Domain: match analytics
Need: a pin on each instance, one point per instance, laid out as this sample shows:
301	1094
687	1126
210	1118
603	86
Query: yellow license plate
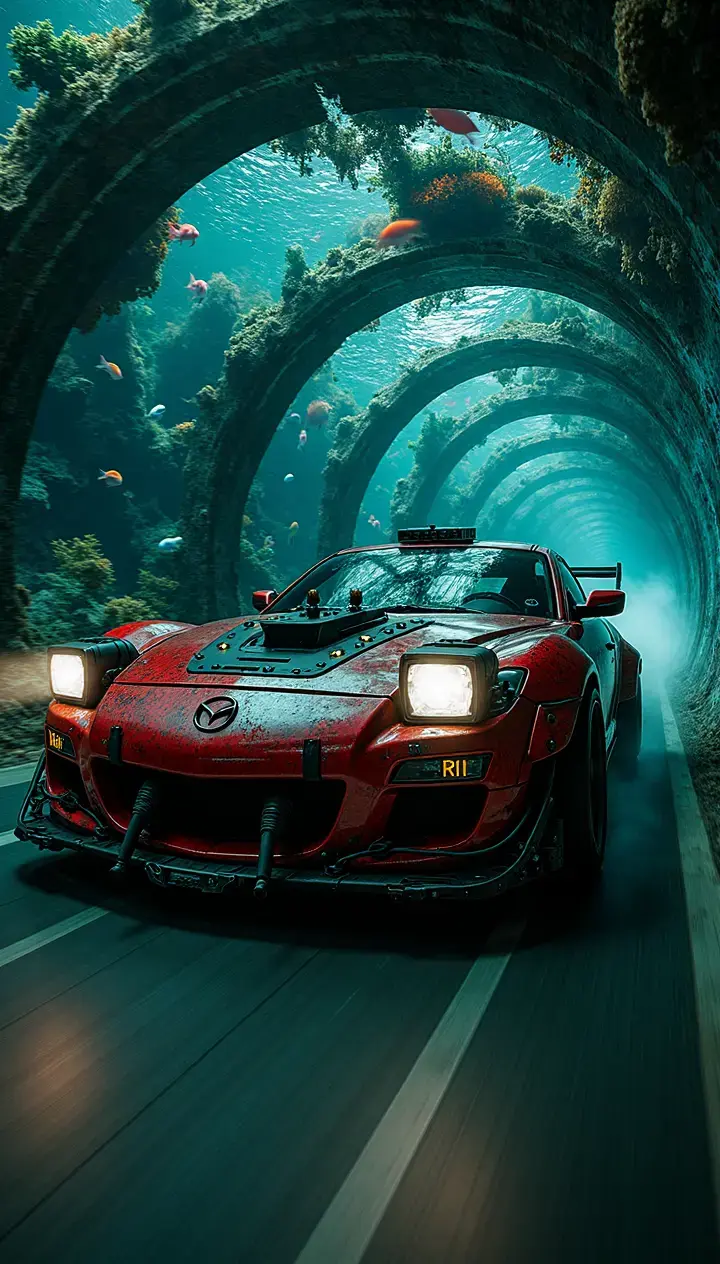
60	743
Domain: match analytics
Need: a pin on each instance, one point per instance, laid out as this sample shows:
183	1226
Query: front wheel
582	794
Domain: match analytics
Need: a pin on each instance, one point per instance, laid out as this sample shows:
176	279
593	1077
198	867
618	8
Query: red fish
111	478
457	122
197	287
399	232
183	232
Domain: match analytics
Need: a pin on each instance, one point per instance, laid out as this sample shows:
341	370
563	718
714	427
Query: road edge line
702	899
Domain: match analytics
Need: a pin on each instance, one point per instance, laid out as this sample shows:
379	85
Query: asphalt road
191	1078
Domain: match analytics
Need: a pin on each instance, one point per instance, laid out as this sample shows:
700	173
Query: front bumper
533	847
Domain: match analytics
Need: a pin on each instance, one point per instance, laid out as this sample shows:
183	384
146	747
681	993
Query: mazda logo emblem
215	714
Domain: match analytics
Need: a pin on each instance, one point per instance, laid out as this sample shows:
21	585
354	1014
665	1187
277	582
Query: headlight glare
81	671
450	683
440	689
67	676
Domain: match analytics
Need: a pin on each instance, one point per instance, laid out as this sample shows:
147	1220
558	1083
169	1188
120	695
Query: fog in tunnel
594	522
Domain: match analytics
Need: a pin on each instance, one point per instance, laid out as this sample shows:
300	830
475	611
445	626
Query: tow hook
272	821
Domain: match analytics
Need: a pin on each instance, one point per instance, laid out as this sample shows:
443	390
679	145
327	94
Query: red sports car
429	718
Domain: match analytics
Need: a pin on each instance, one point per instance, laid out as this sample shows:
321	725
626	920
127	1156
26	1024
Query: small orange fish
108	367
184	426
111	478
292	531
399	232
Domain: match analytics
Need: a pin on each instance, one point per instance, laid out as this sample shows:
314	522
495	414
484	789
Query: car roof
431	544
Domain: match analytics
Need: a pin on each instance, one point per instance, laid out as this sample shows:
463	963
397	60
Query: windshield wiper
428	609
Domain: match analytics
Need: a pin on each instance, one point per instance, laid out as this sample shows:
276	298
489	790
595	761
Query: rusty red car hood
374	672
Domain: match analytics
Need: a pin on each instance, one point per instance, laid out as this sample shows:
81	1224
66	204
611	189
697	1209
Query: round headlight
440	689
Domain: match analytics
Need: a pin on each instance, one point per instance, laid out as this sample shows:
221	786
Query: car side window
571	586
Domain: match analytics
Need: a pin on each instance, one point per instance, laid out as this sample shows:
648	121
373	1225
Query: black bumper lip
533	848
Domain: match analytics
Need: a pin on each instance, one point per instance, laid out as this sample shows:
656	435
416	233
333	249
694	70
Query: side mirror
262	598
601	603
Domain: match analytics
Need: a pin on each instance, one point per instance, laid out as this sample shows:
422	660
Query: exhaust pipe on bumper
145	802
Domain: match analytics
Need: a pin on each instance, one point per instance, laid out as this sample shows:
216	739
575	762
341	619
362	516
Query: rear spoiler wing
599	572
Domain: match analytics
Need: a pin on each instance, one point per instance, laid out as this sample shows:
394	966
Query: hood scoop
314	627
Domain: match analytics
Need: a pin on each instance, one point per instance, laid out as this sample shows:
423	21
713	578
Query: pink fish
317	412
183	232
197	287
302	439
108	367
374	522
457	122
316	236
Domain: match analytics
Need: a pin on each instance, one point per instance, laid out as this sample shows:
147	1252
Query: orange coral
486	187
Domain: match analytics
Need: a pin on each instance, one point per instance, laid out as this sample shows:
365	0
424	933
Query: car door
597	639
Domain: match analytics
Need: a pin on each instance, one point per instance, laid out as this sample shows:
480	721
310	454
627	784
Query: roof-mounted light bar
437	535
599	572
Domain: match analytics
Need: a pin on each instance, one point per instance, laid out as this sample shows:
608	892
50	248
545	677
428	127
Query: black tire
629	734
581	785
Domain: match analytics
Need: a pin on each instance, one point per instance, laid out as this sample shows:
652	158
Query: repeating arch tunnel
212	92
583	528
510	514
415	496
349	471
514	455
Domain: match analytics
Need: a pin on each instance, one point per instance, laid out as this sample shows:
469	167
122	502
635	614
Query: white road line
31	943
344	1231
17	774
702	896
7	838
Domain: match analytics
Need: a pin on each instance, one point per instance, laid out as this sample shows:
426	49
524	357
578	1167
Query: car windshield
494	581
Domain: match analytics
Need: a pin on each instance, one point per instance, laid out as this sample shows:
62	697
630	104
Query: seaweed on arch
378	135
137	275
667	55
651	252
71	72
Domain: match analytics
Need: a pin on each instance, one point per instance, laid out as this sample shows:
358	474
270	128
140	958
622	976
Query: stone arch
361	445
